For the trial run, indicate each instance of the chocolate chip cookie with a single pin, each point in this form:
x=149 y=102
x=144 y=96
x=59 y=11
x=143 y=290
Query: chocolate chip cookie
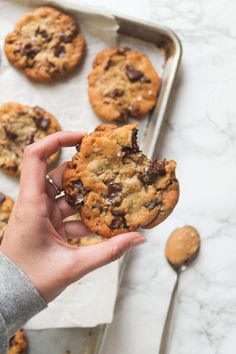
x=45 y=44
x=18 y=343
x=122 y=84
x=6 y=206
x=115 y=187
x=20 y=126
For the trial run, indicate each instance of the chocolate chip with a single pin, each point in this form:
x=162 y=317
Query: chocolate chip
x=30 y=51
x=134 y=145
x=115 y=93
x=79 y=191
x=152 y=204
x=144 y=79
x=10 y=135
x=43 y=33
x=67 y=38
x=150 y=174
x=122 y=50
x=52 y=70
x=59 y=50
x=42 y=123
x=159 y=165
x=2 y=198
x=29 y=139
x=77 y=147
x=133 y=74
x=114 y=189
x=108 y=64
x=118 y=222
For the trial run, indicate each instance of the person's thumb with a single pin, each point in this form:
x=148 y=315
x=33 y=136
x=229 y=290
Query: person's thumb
x=92 y=257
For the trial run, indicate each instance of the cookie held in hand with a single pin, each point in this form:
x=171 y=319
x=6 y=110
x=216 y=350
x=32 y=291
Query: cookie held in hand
x=45 y=44
x=122 y=84
x=115 y=187
x=20 y=126
x=6 y=206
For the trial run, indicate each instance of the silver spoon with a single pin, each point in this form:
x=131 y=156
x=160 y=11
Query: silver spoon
x=182 y=248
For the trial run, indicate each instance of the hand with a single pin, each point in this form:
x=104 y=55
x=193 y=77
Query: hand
x=36 y=235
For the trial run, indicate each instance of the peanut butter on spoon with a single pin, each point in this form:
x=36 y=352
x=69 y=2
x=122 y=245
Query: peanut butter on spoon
x=182 y=246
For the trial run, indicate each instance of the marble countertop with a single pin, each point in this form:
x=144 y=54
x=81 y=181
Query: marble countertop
x=200 y=134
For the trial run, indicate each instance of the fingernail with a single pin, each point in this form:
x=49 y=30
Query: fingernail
x=138 y=241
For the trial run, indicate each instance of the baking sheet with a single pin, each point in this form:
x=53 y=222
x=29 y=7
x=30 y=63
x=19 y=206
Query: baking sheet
x=68 y=101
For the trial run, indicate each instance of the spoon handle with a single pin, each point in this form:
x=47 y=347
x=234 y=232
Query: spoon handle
x=165 y=333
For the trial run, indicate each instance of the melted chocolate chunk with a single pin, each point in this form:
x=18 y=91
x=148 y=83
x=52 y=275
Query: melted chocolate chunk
x=59 y=50
x=134 y=145
x=43 y=33
x=144 y=79
x=155 y=170
x=42 y=123
x=118 y=222
x=159 y=165
x=133 y=74
x=10 y=135
x=115 y=93
x=114 y=189
x=30 y=51
x=152 y=204
x=122 y=50
x=80 y=191
x=108 y=64
x=67 y=38
x=2 y=198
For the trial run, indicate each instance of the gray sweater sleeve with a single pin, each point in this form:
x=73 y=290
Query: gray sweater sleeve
x=19 y=300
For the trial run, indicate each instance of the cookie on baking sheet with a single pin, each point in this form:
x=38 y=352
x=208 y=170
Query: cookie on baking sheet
x=6 y=206
x=45 y=43
x=115 y=187
x=18 y=343
x=20 y=126
x=122 y=84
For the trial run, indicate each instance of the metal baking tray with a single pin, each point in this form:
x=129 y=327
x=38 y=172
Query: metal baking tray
x=90 y=340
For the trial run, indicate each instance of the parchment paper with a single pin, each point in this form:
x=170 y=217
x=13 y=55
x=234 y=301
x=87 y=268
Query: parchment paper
x=90 y=301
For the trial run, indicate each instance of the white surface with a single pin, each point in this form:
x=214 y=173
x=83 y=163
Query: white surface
x=201 y=135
